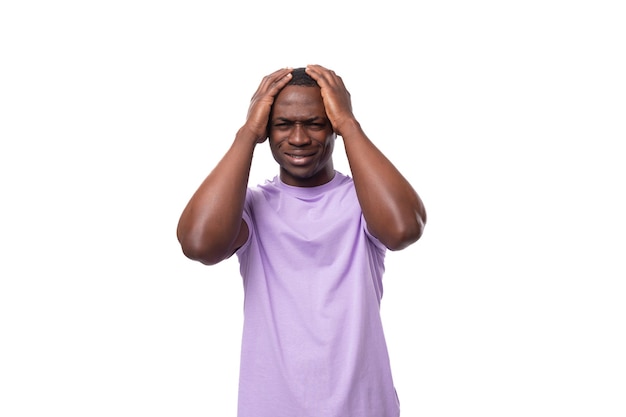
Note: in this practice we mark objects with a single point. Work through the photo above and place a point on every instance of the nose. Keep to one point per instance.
(299, 136)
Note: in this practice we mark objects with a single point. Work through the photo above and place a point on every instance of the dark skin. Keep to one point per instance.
(301, 137)
(302, 130)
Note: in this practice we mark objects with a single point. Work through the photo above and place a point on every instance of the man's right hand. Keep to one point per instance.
(262, 101)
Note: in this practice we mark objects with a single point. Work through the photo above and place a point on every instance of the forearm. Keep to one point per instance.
(211, 221)
(392, 208)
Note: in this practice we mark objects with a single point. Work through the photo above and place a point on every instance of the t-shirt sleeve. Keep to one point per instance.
(377, 243)
(247, 217)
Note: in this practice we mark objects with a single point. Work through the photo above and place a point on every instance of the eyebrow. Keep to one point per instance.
(311, 120)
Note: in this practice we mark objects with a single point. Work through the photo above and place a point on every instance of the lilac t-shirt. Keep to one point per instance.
(313, 342)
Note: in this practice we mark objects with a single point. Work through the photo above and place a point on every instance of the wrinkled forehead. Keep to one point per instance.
(296, 102)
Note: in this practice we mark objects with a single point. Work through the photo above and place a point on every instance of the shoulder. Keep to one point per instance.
(270, 186)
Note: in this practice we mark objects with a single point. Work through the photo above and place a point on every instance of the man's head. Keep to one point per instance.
(300, 135)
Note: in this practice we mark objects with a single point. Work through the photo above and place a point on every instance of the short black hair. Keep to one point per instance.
(300, 77)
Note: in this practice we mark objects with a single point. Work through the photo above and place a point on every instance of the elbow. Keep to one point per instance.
(197, 250)
(197, 254)
(404, 235)
(209, 245)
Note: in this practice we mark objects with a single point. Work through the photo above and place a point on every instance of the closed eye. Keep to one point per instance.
(281, 125)
(317, 126)
(313, 124)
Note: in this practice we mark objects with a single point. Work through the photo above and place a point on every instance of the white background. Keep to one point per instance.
(508, 118)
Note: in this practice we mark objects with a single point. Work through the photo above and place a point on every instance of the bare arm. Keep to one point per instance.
(211, 228)
(393, 210)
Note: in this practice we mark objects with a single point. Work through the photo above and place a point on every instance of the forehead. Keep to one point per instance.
(298, 102)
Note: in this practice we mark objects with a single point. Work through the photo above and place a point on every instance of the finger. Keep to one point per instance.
(261, 102)
(315, 71)
(277, 78)
(318, 68)
(281, 80)
(324, 76)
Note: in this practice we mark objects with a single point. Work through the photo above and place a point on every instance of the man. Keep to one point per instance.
(311, 244)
